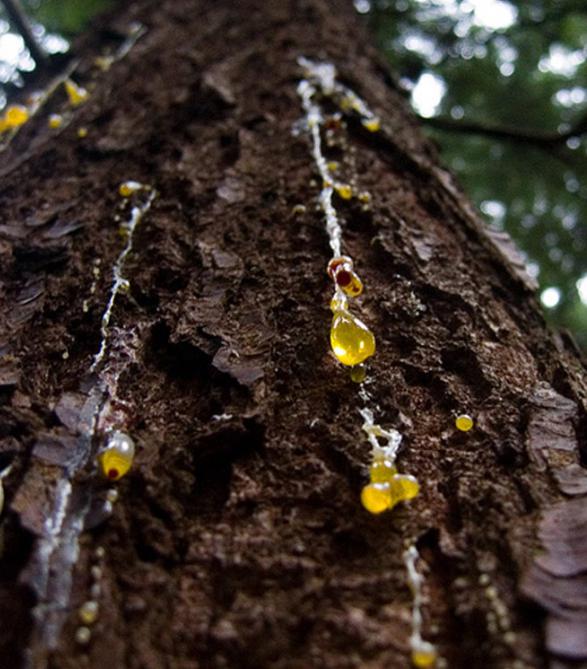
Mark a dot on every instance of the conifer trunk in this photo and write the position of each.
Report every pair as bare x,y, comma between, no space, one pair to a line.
238,538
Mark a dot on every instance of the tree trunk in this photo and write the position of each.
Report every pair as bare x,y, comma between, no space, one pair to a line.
238,538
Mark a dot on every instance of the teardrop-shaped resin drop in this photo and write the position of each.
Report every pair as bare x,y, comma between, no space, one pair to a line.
116,458
351,340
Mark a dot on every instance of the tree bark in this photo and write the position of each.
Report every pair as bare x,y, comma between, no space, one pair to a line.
238,538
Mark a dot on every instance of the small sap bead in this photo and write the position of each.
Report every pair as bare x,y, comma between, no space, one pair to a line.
424,655
403,488
337,262
15,116
338,302
82,132
464,422
345,191
88,612
83,635
55,121
332,165
364,197
354,287
127,188
382,471
333,122
372,124
343,274
376,497
117,456
298,210
347,103
351,340
77,95
358,373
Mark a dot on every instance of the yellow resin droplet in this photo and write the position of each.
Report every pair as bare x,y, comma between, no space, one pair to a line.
358,373
338,302
82,132
332,165
351,340
382,471
403,487
371,124
425,656
128,188
376,497
55,121
117,457
77,94
355,287
364,197
464,423
345,191
88,612
15,116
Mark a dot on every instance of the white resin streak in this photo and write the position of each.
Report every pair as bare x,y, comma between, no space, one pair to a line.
375,432
314,119
57,550
325,75
415,582
118,281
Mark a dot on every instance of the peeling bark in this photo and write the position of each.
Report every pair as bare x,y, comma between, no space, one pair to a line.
238,539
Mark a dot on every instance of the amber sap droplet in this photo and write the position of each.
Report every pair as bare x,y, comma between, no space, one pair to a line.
403,488
464,422
338,302
343,275
55,121
424,656
354,286
127,188
344,190
351,340
77,95
358,373
376,497
382,471
117,456
371,124
337,262
88,612
15,116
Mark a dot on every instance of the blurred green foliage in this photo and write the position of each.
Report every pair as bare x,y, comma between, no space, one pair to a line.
66,17
519,65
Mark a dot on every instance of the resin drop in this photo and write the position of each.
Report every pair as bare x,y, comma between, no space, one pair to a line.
351,340
424,656
464,423
77,95
376,497
117,457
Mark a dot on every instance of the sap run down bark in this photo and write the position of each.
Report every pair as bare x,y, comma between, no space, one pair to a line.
238,539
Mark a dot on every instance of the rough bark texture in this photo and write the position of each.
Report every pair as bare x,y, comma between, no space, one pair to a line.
238,539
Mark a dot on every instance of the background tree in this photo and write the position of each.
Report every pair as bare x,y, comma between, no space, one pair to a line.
238,538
